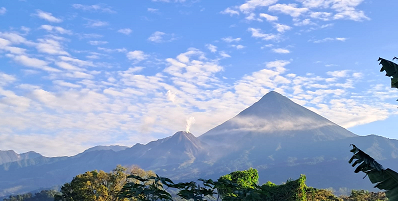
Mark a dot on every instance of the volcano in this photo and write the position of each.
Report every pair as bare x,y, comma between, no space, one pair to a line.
274,115
276,136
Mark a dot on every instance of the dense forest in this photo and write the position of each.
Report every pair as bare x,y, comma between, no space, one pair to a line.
123,184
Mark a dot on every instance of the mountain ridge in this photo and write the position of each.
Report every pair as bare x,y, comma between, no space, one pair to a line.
277,154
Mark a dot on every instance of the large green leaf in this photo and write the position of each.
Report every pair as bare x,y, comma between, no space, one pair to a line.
391,69
385,179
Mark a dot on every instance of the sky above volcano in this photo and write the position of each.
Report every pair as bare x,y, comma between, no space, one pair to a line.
76,75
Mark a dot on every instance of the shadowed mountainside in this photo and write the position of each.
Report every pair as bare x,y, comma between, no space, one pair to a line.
275,135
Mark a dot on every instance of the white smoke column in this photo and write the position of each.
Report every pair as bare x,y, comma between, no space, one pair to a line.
189,121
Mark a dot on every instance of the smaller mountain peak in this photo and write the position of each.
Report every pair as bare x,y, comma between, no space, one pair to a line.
182,133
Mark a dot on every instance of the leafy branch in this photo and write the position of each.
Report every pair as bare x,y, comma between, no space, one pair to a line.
385,179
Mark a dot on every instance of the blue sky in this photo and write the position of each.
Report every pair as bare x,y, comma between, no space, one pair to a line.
77,75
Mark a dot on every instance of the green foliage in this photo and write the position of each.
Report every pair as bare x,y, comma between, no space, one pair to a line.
238,185
146,188
314,194
385,179
94,185
191,190
139,185
391,69
362,195
44,195
291,190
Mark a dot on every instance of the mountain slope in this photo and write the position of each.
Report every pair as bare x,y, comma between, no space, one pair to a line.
275,135
275,115
11,156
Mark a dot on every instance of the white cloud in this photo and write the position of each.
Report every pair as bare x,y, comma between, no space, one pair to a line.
126,31
156,37
5,45
77,61
345,9
224,54
328,39
303,22
112,50
33,62
281,27
27,61
281,51
256,33
6,79
152,10
96,23
15,38
96,42
171,96
289,9
231,39
351,14
66,84
238,46
211,47
50,46
250,5
342,73
278,65
320,15
341,39
251,16
268,17
230,11
3,11
326,25
55,28
315,3
136,55
47,16
101,8
68,66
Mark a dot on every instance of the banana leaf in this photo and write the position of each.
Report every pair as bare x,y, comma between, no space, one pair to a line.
384,179
391,69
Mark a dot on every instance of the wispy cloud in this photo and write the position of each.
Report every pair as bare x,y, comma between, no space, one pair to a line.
238,46
257,33
159,37
47,16
328,39
281,51
230,11
268,17
224,54
96,23
281,27
3,11
97,42
253,4
97,7
231,39
56,29
289,9
156,37
321,15
152,10
211,47
136,55
126,31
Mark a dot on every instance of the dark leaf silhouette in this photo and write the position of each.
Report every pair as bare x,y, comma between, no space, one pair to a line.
385,179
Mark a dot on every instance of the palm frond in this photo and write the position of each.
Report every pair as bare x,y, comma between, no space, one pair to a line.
385,179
